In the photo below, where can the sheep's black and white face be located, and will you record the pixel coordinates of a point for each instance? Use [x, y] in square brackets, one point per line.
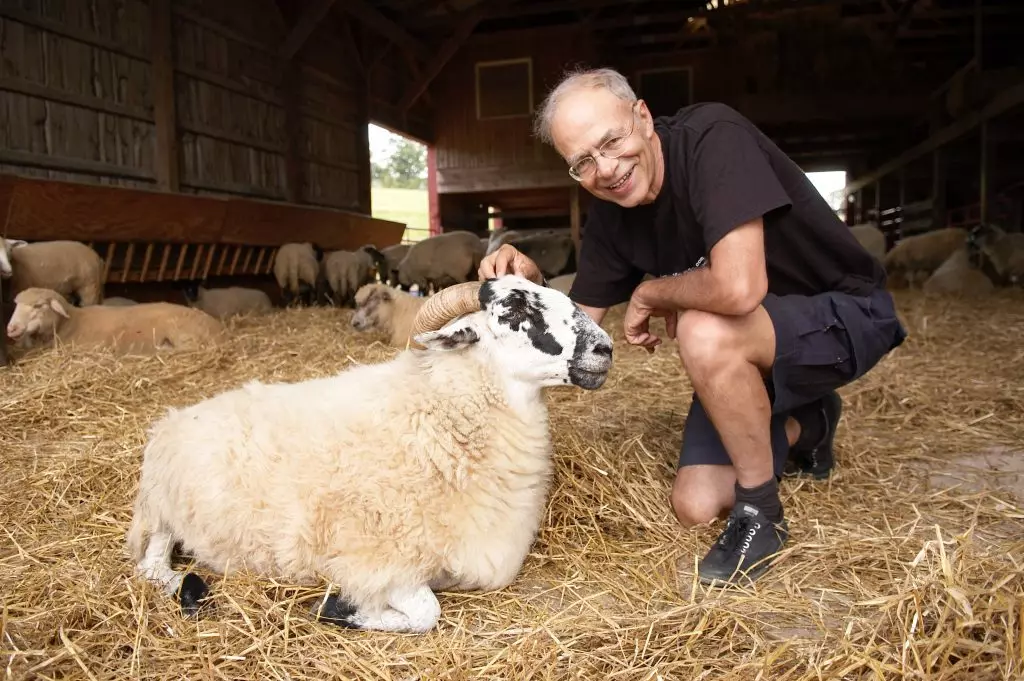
[537, 333]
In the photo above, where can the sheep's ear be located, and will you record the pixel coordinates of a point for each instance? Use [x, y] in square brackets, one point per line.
[452, 337]
[58, 308]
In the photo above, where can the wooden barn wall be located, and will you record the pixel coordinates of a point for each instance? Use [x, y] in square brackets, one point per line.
[784, 75]
[77, 103]
[475, 155]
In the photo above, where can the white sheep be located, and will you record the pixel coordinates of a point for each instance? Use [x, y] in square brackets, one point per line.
[442, 260]
[957, 276]
[44, 316]
[871, 238]
[916, 257]
[387, 310]
[230, 301]
[71, 268]
[346, 271]
[118, 301]
[297, 271]
[391, 480]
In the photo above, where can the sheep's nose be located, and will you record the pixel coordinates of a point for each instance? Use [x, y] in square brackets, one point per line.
[14, 330]
[603, 350]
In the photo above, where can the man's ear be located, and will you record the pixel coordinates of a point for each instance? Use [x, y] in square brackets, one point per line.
[455, 336]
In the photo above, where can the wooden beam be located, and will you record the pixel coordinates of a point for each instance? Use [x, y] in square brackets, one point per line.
[370, 16]
[447, 51]
[294, 167]
[164, 107]
[1002, 102]
[314, 13]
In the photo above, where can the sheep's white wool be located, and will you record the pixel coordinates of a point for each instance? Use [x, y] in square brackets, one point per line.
[391, 480]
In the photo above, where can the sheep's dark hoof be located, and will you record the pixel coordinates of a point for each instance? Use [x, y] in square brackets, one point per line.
[192, 593]
[335, 611]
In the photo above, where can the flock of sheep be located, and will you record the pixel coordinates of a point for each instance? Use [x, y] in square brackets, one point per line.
[951, 260]
[57, 287]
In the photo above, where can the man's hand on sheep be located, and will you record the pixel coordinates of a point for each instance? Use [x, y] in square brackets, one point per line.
[508, 260]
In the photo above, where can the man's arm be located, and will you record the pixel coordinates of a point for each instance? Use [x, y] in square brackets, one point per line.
[734, 282]
[595, 313]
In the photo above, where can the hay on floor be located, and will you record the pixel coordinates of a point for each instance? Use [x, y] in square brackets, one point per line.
[893, 571]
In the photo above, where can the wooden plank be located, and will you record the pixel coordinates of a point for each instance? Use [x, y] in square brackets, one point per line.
[84, 37]
[72, 165]
[164, 108]
[447, 51]
[31, 89]
[368, 15]
[271, 224]
[296, 181]
[1004, 101]
[454, 180]
[310, 18]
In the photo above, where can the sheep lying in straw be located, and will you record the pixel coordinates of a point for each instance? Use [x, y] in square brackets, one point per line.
[346, 271]
[442, 260]
[43, 315]
[916, 257]
[957, 276]
[387, 310]
[71, 268]
[871, 238]
[230, 301]
[429, 471]
[297, 271]
[118, 301]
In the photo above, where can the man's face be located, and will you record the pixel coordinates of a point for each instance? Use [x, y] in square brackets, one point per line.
[584, 121]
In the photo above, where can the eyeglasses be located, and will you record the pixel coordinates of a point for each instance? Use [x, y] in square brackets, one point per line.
[613, 148]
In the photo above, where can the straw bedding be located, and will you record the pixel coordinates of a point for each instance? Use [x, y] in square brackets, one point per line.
[899, 567]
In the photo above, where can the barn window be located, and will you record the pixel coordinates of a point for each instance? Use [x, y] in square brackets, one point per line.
[666, 90]
[504, 89]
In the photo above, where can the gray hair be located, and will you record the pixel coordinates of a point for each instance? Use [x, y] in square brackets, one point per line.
[578, 79]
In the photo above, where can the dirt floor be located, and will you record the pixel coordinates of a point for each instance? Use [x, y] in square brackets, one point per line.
[907, 564]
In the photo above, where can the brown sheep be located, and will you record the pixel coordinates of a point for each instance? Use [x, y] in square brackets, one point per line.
[71, 268]
[43, 315]
[441, 261]
[387, 310]
[918, 256]
[297, 271]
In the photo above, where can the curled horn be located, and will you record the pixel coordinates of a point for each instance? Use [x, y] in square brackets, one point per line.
[446, 305]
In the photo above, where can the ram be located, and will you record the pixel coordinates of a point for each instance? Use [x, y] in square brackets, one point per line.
[392, 480]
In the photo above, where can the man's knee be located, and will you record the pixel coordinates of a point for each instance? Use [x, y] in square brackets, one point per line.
[698, 499]
[707, 341]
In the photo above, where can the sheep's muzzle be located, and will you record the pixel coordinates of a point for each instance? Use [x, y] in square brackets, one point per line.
[444, 306]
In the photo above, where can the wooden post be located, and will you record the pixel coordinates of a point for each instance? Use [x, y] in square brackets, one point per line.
[164, 114]
[433, 202]
[574, 217]
[365, 193]
[983, 175]
[938, 188]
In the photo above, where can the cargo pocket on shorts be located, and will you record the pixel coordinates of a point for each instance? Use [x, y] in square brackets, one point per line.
[822, 359]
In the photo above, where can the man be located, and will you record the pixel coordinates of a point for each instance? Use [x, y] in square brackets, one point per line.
[771, 301]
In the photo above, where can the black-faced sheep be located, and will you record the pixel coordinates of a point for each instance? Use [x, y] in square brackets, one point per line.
[297, 271]
[386, 310]
[392, 480]
[346, 271]
[442, 260]
[71, 268]
[553, 254]
[916, 257]
[44, 316]
[1001, 253]
[393, 255]
[230, 301]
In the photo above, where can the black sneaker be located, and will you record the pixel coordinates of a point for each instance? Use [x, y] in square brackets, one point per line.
[749, 539]
[816, 461]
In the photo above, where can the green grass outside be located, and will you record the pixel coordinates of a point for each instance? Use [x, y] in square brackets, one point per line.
[403, 205]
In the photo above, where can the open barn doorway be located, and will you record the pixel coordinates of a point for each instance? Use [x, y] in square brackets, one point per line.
[398, 189]
[829, 184]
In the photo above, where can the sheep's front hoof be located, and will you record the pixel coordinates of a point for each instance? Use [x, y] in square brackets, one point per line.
[192, 593]
[337, 611]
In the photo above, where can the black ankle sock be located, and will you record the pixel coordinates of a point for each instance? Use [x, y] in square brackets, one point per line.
[765, 497]
[812, 426]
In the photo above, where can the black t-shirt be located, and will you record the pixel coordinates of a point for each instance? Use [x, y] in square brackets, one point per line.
[721, 172]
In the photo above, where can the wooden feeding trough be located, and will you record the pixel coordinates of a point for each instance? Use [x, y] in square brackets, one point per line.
[148, 236]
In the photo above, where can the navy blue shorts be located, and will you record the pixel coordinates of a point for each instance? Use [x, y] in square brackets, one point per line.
[822, 343]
